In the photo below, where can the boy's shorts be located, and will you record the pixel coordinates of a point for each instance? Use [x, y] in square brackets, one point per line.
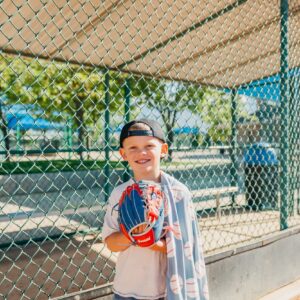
[118, 297]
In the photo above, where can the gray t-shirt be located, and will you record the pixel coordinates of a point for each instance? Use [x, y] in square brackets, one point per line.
[140, 272]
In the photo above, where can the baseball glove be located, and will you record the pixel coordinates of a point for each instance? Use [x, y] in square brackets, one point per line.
[142, 206]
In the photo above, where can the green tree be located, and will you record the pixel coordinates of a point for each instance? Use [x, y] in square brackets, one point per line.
[215, 110]
[12, 90]
[62, 91]
[169, 99]
[78, 93]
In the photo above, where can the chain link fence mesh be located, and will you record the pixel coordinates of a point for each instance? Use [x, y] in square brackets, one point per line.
[222, 78]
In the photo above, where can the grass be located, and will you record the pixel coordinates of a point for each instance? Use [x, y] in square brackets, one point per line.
[48, 166]
[67, 165]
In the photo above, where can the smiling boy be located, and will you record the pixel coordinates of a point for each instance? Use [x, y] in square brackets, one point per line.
[163, 270]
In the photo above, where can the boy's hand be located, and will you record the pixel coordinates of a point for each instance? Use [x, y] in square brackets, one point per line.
[160, 245]
[117, 242]
[139, 229]
[141, 213]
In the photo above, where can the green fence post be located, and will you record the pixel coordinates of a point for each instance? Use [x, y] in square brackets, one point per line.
[297, 169]
[18, 137]
[233, 144]
[294, 127]
[69, 138]
[106, 137]
[126, 175]
[294, 138]
[284, 116]
[296, 192]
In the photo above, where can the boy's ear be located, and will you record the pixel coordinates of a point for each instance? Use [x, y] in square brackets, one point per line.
[164, 150]
[122, 153]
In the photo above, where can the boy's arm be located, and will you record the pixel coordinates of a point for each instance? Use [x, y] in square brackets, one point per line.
[117, 242]
[160, 246]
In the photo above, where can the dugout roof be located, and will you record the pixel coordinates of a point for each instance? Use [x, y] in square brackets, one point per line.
[223, 43]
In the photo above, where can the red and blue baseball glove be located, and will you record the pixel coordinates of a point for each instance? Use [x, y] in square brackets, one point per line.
[142, 206]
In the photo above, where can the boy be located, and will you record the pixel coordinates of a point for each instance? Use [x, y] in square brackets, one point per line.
[173, 267]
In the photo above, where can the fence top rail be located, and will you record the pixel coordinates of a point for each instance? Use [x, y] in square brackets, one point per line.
[239, 25]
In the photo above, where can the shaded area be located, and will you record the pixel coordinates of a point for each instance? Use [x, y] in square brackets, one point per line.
[49, 269]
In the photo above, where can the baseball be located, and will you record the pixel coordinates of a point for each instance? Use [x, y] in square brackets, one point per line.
[170, 247]
[192, 210]
[178, 194]
[191, 288]
[205, 291]
[188, 251]
[176, 230]
[200, 269]
[176, 284]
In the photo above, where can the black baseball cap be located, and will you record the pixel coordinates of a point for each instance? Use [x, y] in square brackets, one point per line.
[155, 130]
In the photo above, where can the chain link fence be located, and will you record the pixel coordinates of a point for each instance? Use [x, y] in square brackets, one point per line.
[221, 77]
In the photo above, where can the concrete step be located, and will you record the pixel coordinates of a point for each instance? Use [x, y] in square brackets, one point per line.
[288, 292]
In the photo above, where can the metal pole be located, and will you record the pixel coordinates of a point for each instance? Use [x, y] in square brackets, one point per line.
[66, 129]
[18, 137]
[295, 150]
[292, 145]
[297, 155]
[233, 142]
[126, 175]
[284, 116]
[69, 138]
[106, 137]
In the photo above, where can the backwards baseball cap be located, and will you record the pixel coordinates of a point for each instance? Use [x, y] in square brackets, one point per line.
[155, 130]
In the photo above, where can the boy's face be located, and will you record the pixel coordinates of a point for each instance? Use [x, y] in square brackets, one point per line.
[143, 154]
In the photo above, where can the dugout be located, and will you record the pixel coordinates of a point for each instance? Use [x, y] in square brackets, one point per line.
[240, 47]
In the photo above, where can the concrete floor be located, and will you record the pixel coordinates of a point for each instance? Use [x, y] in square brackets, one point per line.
[288, 292]
[53, 268]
